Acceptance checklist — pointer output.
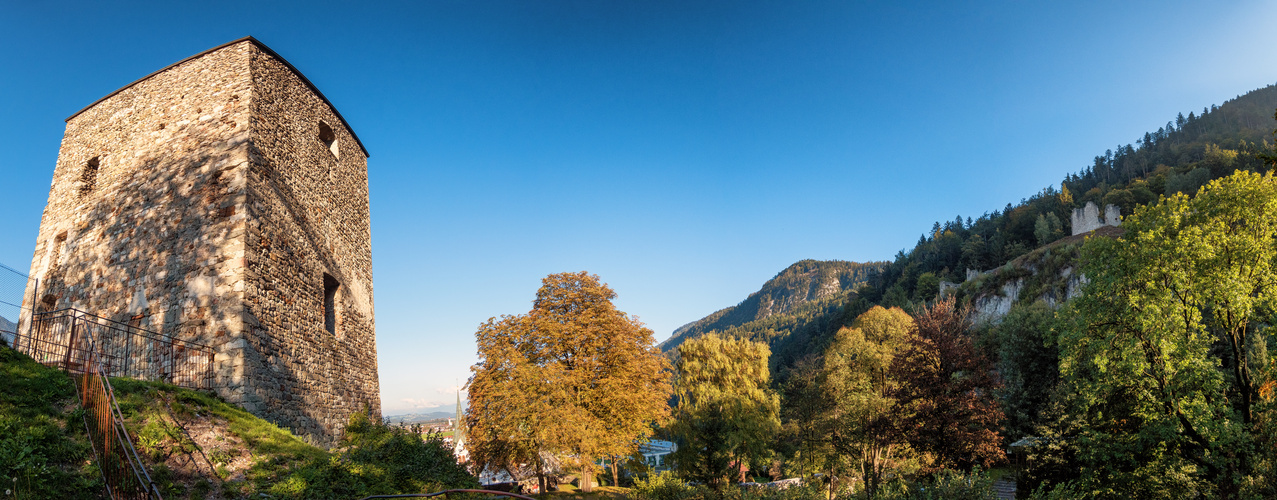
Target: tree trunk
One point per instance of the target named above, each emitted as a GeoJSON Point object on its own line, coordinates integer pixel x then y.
{"type": "Point", "coordinates": [587, 479]}
{"type": "Point", "coordinates": [615, 476]}
{"type": "Point", "coordinates": [541, 482]}
{"type": "Point", "coordinates": [802, 462]}
{"type": "Point", "coordinates": [831, 483]}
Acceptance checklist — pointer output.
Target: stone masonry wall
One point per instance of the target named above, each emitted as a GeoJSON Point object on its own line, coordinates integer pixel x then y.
{"type": "Point", "coordinates": [154, 234]}
{"type": "Point", "coordinates": [213, 214]}
{"type": "Point", "coordinates": [1087, 218]}
{"type": "Point", "coordinates": [308, 217]}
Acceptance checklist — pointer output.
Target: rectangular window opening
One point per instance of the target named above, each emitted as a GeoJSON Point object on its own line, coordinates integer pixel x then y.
{"type": "Point", "coordinates": [330, 303]}
{"type": "Point", "coordinates": [89, 177]}
{"type": "Point", "coordinates": [55, 259]}
{"type": "Point", "coordinates": [328, 137]}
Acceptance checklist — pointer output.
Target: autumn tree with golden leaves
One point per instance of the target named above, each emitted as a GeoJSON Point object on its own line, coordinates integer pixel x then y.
{"type": "Point", "coordinates": [574, 378]}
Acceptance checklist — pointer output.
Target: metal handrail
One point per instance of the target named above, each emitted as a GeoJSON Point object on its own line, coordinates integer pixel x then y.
{"type": "Point", "coordinates": [121, 325]}
{"type": "Point", "coordinates": [126, 442]}
{"type": "Point", "coordinates": [445, 492]}
{"type": "Point", "coordinates": [121, 435]}
{"type": "Point", "coordinates": [110, 426]}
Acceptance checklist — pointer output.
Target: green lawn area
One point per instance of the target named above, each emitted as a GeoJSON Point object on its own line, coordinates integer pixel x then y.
{"type": "Point", "coordinates": [997, 473]}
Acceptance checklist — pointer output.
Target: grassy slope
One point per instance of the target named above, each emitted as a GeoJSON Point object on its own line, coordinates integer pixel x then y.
{"type": "Point", "coordinates": [198, 446]}
{"type": "Point", "coordinates": [43, 443]}
{"type": "Point", "coordinates": [44, 451]}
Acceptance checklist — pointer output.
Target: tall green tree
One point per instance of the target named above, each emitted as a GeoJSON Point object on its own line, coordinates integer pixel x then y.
{"type": "Point", "coordinates": [804, 404]}
{"type": "Point", "coordinates": [574, 376]}
{"type": "Point", "coordinates": [727, 414]}
{"type": "Point", "coordinates": [1169, 346]}
{"type": "Point", "coordinates": [1029, 366]}
{"type": "Point", "coordinates": [863, 421]}
{"type": "Point", "coordinates": [1042, 230]}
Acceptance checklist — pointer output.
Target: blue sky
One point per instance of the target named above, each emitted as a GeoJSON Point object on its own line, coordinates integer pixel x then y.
{"type": "Point", "coordinates": [685, 152]}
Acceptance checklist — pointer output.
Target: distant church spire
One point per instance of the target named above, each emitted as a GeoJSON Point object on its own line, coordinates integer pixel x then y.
{"type": "Point", "coordinates": [458, 428]}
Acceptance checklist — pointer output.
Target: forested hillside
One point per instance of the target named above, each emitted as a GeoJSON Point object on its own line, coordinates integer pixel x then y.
{"type": "Point", "coordinates": [1181, 156]}
{"type": "Point", "coordinates": [1126, 362]}
{"type": "Point", "coordinates": [1150, 378]}
{"type": "Point", "coordinates": [796, 303]}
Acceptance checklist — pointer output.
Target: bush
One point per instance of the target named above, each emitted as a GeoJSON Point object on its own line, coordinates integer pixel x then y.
{"type": "Point", "coordinates": [667, 486]}
{"type": "Point", "coordinates": [811, 491]}
{"type": "Point", "coordinates": [944, 485]}
{"type": "Point", "coordinates": [378, 459]}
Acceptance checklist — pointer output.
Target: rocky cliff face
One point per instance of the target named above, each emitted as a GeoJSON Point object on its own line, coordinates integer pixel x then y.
{"type": "Point", "coordinates": [803, 282]}
{"type": "Point", "coordinates": [1048, 274]}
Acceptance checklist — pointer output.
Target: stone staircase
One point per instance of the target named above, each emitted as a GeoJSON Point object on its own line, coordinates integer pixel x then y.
{"type": "Point", "coordinates": [1004, 489]}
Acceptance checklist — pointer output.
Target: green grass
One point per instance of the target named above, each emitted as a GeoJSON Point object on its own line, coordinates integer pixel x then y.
{"type": "Point", "coordinates": [155, 414]}
{"type": "Point", "coordinates": [997, 473]}
{"type": "Point", "coordinates": [372, 458]}
{"type": "Point", "coordinates": [198, 446]}
{"type": "Point", "coordinates": [44, 450]}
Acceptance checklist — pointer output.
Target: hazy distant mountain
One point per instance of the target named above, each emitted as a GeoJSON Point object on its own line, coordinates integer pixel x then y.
{"type": "Point", "coordinates": [7, 331]}
{"type": "Point", "coordinates": [783, 302]}
{"type": "Point", "coordinates": [416, 418]}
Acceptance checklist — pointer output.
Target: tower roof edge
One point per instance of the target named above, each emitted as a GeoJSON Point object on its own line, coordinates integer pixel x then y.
{"type": "Point", "coordinates": [264, 48]}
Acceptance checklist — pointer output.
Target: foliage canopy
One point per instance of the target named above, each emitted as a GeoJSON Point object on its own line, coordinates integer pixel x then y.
{"type": "Point", "coordinates": [1167, 355]}
{"type": "Point", "coordinates": [727, 415]}
{"type": "Point", "coordinates": [573, 377]}
{"type": "Point", "coordinates": [863, 421]}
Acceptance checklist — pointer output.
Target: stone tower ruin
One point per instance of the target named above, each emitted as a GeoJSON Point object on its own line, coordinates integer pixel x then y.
{"type": "Point", "coordinates": [224, 200]}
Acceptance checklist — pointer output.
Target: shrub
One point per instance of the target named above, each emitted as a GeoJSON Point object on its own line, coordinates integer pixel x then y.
{"type": "Point", "coordinates": [811, 491]}
{"type": "Point", "coordinates": [667, 486]}
{"type": "Point", "coordinates": [378, 459]}
{"type": "Point", "coordinates": [947, 484]}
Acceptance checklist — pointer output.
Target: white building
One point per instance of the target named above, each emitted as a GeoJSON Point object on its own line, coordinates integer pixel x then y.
{"type": "Point", "coordinates": [655, 452]}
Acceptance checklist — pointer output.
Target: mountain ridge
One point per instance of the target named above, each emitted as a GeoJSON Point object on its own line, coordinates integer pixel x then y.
{"type": "Point", "coordinates": [1179, 157]}
{"type": "Point", "coordinates": [806, 282]}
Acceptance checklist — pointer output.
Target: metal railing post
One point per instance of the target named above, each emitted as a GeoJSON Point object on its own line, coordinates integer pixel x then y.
{"type": "Point", "coordinates": [128, 354]}
{"type": "Point", "coordinates": [172, 363]}
{"type": "Point", "coordinates": [66, 360]}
